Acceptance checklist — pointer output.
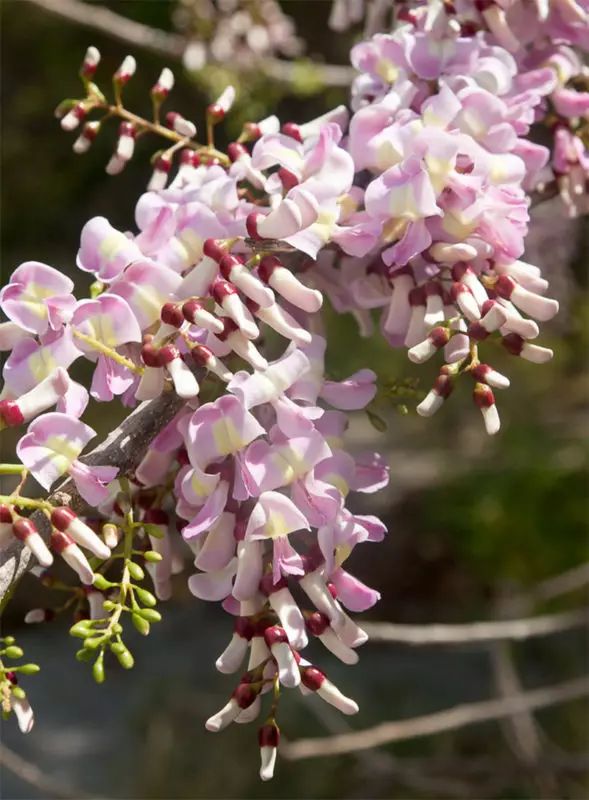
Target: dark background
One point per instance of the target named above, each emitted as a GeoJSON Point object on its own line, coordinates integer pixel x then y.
{"type": "Point", "coordinates": [471, 519]}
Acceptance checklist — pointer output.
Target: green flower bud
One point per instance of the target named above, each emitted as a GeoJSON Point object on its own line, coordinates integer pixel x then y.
{"type": "Point", "coordinates": [84, 655]}
{"type": "Point", "coordinates": [109, 605]}
{"type": "Point", "coordinates": [29, 669]}
{"type": "Point", "coordinates": [150, 614]}
{"type": "Point", "coordinates": [101, 583]}
{"type": "Point", "coordinates": [117, 648]}
{"type": "Point", "coordinates": [152, 556]}
{"type": "Point", "coordinates": [81, 629]}
{"type": "Point", "coordinates": [126, 660]}
{"type": "Point", "coordinates": [8, 640]}
{"type": "Point", "coordinates": [135, 571]}
{"type": "Point", "coordinates": [145, 597]}
{"type": "Point", "coordinates": [94, 642]}
{"type": "Point", "coordinates": [117, 628]}
{"type": "Point", "coordinates": [98, 669]}
{"type": "Point", "coordinates": [18, 692]}
{"type": "Point", "coordinates": [141, 624]}
{"type": "Point", "coordinates": [13, 652]}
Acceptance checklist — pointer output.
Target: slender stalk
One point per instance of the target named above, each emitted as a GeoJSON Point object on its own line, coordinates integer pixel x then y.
{"type": "Point", "coordinates": [108, 351]}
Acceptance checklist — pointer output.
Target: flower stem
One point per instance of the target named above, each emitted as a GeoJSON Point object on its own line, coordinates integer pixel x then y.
{"type": "Point", "coordinates": [24, 502]}
{"type": "Point", "coordinates": [12, 469]}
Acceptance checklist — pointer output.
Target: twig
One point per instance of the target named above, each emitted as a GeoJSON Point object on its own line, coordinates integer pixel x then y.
{"type": "Point", "coordinates": [470, 633]}
{"type": "Point", "coordinates": [173, 45]}
{"type": "Point", "coordinates": [570, 581]}
{"type": "Point", "coordinates": [430, 724]}
{"type": "Point", "coordinates": [31, 774]}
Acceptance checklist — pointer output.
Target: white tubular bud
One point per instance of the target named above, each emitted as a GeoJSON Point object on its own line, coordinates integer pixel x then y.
{"type": "Point", "coordinates": [226, 99]}
{"type": "Point", "coordinates": [316, 590]}
{"type": "Point", "coordinates": [159, 176]}
{"type": "Point", "coordinates": [63, 519]}
{"type": "Point", "coordinates": [417, 330]}
{"type": "Point", "coordinates": [468, 276]}
{"type": "Point", "coordinates": [92, 58]}
{"type": "Point", "coordinates": [542, 308]}
{"type": "Point", "coordinates": [182, 126]}
{"type": "Point", "coordinates": [126, 141]}
{"type": "Point", "coordinates": [451, 253]}
{"type": "Point", "coordinates": [339, 114]}
{"type": "Point", "coordinates": [437, 339]}
{"type": "Point", "coordinates": [515, 323]}
{"type": "Point", "coordinates": [23, 713]}
{"type": "Point", "coordinates": [185, 383]}
{"type": "Point", "coordinates": [73, 118]}
{"type": "Point", "coordinates": [399, 312]}
{"type": "Point", "coordinates": [485, 374]}
{"type": "Point", "coordinates": [224, 717]}
{"type": "Point", "coordinates": [268, 739]}
{"type": "Point", "coordinates": [273, 272]}
{"type": "Point", "coordinates": [198, 280]}
{"type": "Point", "coordinates": [205, 357]}
{"type": "Point", "coordinates": [335, 645]}
{"type": "Point", "coordinates": [115, 165]}
{"type": "Point", "coordinates": [434, 400]}
{"type": "Point", "coordinates": [43, 396]}
{"type": "Point", "coordinates": [65, 546]}
{"type": "Point", "coordinates": [434, 304]}
{"type": "Point", "coordinates": [282, 322]}
{"type": "Point", "coordinates": [233, 269]}
{"type": "Point", "coordinates": [232, 657]}
{"type": "Point", "coordinates": [465, 301]}
{"type": "Point", "coordinates": [26, 532]}
{"type": "Point", "coordinates": [288, 669]}
{"type": "Point", "coordinates": [248, 351]}
{"type": "Point", "coordinates": [36, 615]}
{"type": "Point", "coordinates": [316, 681]}
{"type": "Point", "coordinates": [111, 534]}
{"type": "Point", "coordinates": [95, 600]}
{"type": "Point", "coordinates": [250, 713]}
{"type": "Point", "coordinates": [524, 274]}
{"type": "Point", "coordinates": [259, 652]}
{"type": "Point", "coordinates": [126, 70]}
{"type": "Point", "coordinates": [86, 137]}
{"type": "Point", "coordinates": [225, 294]}
{"type": "Point", "coordinates": [351, 634]}
{"type": "Point", "coordinates": [290, 616]}
{"type": "Point", "coordinates": [494, 317]}
{"type": "Point", "coordinates": [196, 314]}
{"type": "Point", "coordinates": [494, 16]}
{"type": "Point", "coordinates": [484, 399]}
{"type": "Point", "coordinates": [518, 346]}
{"type": "Point", "coordinates": [165, 82]}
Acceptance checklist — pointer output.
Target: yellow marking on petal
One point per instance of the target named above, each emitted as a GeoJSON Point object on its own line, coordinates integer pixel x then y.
{"type": "Point", "coordinates": [393, 229]}
{"type": "Point", "coordinates": [34, 290]}
{"type": "Point", "coordinates": [335, 442]}
{"type": "Point", "coordinates": [342, 552]}
{"type": "Point", "coordinates": [386, 70]}
{"type": "Point", "coordinates": [35, 307]}
{"type": "Point", "coordinates": [457, 226]}
{"type": "Point", "coordinates": [227, 437]}
{"type": "Point", "coordinates": [200, 488]}
{"type": "Point", "coordinates": [41, 364]}
{"type": "Point", "coordinates": [64, 448]}
{"type": "Point", "coordinates": [193, 243]}
{"type": "Point", "coordinates": [347, 204]}
{"type": "Point", "coordinates": [112, 245]}
{"type": "Point", "coordinates": [339, 483]}
{"type": "Point", "coordinates": [276, 527]}
{"type": "Point", "coordinates": [438, 170]}
{"type": "Point", "coordinates": [323, 226]}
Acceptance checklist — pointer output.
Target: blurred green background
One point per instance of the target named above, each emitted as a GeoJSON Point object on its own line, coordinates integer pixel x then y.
{"type": "Point", "coordinates": [471, 520]}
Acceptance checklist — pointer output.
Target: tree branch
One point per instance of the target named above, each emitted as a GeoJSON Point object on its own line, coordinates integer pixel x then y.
{"type": "Point", "coordinates": [450, 719]}
{"type": "Point", "coordinates": [31, 774]}
{"type": "Point", "coordinates": [173, 45]}
{"type": "Point", "coordinates": [469, 633]}
{"type": "Point", "coordinates": [123, 448]}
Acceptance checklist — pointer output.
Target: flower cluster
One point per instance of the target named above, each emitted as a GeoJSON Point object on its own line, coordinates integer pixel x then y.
{"type": "Point", "coordinates": [415, 204]}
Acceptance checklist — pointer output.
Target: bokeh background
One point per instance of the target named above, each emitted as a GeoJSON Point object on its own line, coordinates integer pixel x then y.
{"type": "Point", "coordinates": [472, 521]}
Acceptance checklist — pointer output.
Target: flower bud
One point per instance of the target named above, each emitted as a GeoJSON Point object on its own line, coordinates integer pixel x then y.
{"type": "Point", "coordinates": [315, 680]}
{"type": "Point", "coordinates": [63, 519]}
{"type": "Point", "coordinates": [26, 532]}
{"type": "Point", "coordinates": [442, 389]}
{"type": "Point", "coordinates": [184, 381]}
{"type": "Point", "coordinates": [65, 546]}
{"type": "Point", "coordinates": [226, 295]}
{"type": "Point", "coordinates": [182, 126]}
{"type": "Point", "coordinates": [273, 272]}
{"type": "Point", "coordinates": [437, 339]}
{"type": "Point", "coordinates": [125, 71]}
{"type": "Point", "coordinates": [75, 115]}
{"type": "Point", "coordinates": [90, 63]}
{"type": "Point", "coordinates": [86, 137]}
{"type": "Point", "coordinates": [268, 739]}
{"type": "Point", "coordinates": [288, 669]}
{"type": "Point", "coordinates": [517, 346]}
{"type": "Point", "coordinates": [159, 177]}
{"type": "Point", "coordinates": [216, 111]}
{"type": "Point", "coordinates": [485, 400]}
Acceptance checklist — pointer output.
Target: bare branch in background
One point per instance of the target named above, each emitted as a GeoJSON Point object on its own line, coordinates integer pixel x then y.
{"type": "Point", "coordinates": [430, 724]}
{"type": "Point", "coordinates": [469, 633]}
{"type": "Point", "coordinates": [136, 34]}
{"type": "Point", "coordinates": [31, 774]}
